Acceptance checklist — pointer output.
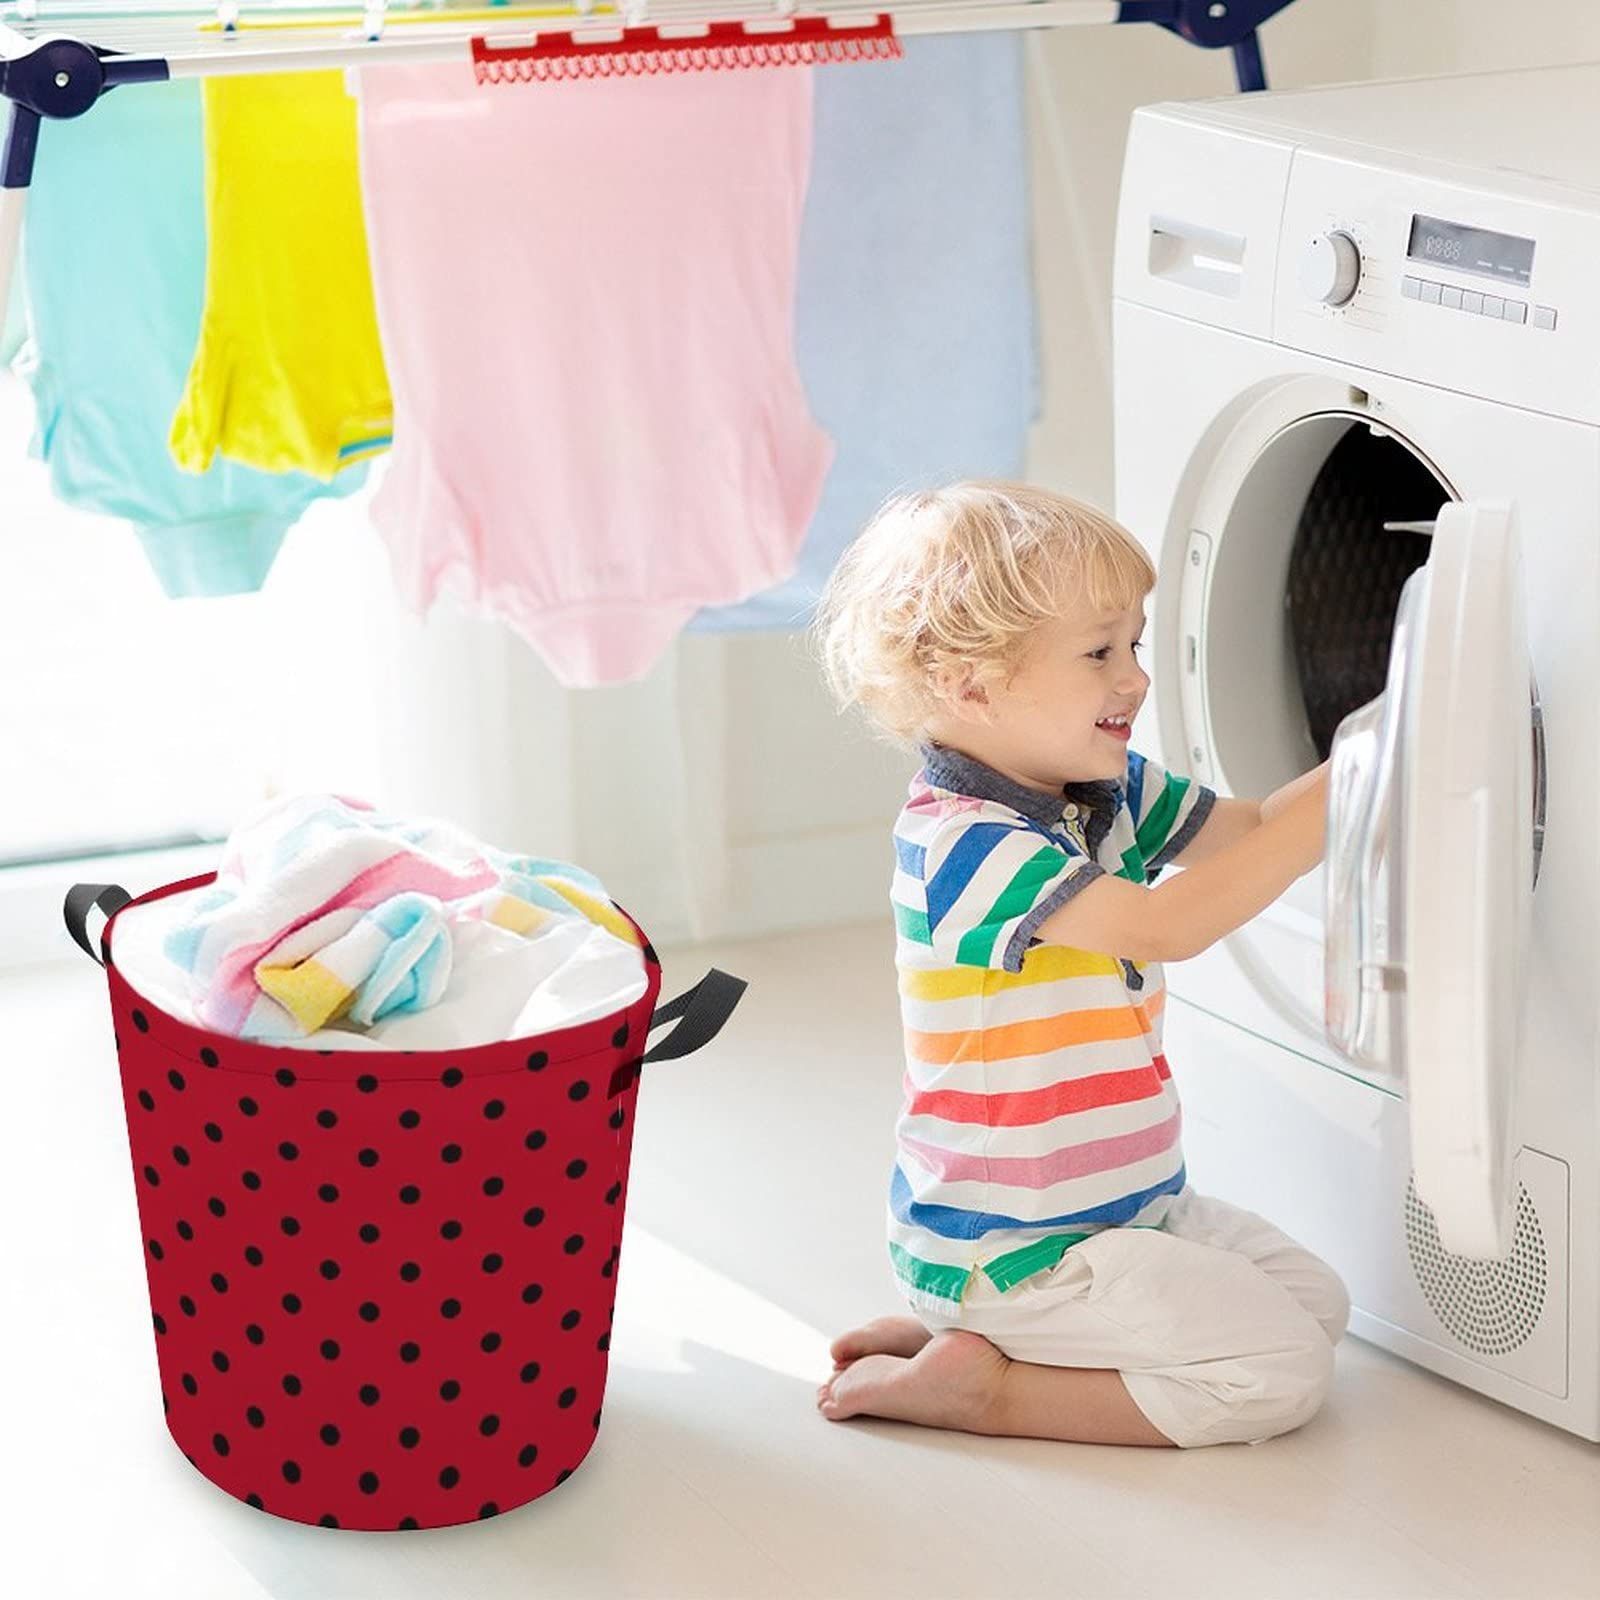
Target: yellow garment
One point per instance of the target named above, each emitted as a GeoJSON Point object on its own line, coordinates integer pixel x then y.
{"type": "Point", "coordinates": [288, 374]}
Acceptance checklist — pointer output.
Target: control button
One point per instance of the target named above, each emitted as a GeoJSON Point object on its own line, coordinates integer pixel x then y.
{"type": "Point", "coordinates": [1471, 300]}
{"type": "Point", "coordinates": [1516, 311]}
{"type": "Point", "coordinates": [1450, 296]}
{"type": "Point", "coordinates": [1430, 293]}
{"type": "Point", "coordinates": [1544, 316]}
{"type": "Point", "coordinates": [1411, 288]}
{"type": "Point", "coordinates": [1493, 306]}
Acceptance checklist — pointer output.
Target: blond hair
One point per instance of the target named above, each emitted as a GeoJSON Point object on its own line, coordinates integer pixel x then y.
{"type": "Point", "coordinates": [944, 587]}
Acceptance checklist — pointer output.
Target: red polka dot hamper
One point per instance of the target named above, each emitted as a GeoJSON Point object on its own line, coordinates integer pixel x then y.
{"type": "Point", "coordinates": [382, 1281]}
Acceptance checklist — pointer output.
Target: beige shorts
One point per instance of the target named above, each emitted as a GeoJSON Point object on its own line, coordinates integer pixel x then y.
{"type": "Point", "coordinates": [1222, 1326]}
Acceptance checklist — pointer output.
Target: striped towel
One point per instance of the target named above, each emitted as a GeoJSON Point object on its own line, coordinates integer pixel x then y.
{"type": "Point", "coordinates": [326, 910]}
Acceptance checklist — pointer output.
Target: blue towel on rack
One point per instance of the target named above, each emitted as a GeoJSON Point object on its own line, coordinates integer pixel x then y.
{"type": "Point", "coordinates": [113, 263]}
{"type": "Point", "coordinates": [914, 318]}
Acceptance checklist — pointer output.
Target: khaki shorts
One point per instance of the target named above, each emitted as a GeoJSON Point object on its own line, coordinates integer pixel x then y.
{"type": "Point", "coordinates": [1222, 1326]}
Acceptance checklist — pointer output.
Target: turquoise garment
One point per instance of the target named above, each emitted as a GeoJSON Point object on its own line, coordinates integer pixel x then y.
{"type": "Point", "coordinates": [114, 270]}
{"type": "Point", "coordinates": [914, 305]}
{"type": "Point", "coordinates": [13, 325]}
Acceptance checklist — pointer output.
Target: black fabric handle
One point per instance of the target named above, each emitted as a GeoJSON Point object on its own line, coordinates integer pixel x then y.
{"type": "Point", "coordinates": [703, 1008]}
{"type": "Point", "coordinates": [81, 899]}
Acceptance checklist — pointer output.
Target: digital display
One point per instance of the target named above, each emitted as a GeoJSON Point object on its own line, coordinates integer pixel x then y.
{"type": "Point", "coordinates": [1501, 256]}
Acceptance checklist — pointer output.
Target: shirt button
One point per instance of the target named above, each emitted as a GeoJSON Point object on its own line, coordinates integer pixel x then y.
{"type": "Point", "coordinates": [1071, 813]}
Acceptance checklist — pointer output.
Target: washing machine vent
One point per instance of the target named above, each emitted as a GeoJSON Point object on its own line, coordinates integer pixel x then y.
{"type": "Point", "coordinates": [1492, 1307]}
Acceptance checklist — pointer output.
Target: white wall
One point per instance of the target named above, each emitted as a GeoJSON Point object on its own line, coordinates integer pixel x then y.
{"type": "Point", "coordinates": [724, 795]}
{"type": "Point", "coordinates": [1412, 38]}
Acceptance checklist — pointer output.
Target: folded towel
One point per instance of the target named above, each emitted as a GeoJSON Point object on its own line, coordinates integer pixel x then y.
{"type": "Point", "coordinates": [502, 985]}
{"type": "Point", "coordinates": [325, 909]}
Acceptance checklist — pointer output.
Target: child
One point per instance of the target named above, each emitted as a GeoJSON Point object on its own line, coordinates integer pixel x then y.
{"type": "Point", "coordinates": [1068, 1282]}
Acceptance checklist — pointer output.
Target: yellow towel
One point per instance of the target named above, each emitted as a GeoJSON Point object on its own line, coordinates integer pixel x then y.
{"type": "Point", "coordinates": [288, 374]}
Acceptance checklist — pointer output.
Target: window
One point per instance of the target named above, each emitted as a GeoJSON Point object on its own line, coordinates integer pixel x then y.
{"type": "Point", "coordinates": [128, 719]}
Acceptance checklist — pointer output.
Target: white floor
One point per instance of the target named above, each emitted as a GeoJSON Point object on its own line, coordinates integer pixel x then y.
{"type": "Point", "coordinates": [754, 1234]}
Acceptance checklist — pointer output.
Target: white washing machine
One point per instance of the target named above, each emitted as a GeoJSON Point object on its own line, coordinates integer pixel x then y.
{"type": "Point", "coordinates": [1357, 373]}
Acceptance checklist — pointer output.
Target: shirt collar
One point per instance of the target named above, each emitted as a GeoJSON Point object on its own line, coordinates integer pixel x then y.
{"type": "Point", "coordinates": [961, 774]}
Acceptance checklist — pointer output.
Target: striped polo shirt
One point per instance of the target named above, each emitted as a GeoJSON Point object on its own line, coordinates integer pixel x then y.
{"type": "Point", "coordinates": [1038, 1105]}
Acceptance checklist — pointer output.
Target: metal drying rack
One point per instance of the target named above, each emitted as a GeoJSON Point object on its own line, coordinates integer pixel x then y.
{"type": "Point", "coordinates": [56, 60]}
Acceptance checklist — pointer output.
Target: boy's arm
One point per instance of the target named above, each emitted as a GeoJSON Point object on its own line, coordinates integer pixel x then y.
{"type": "Point", "coordinates": [1232, 819]}
{"type": "Point", "coordinates": [1179, 919]}
{"type": "Point", "coordinates": [1227, 820]}
{"type": "Point", "coordinates": [1281, 797]}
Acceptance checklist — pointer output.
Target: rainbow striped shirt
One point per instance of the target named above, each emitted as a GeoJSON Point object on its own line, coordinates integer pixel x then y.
{"type": "Point", "coordinates": [1038, 1105]}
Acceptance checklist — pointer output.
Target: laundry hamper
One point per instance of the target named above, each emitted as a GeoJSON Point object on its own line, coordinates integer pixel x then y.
{"type": "Point", "coordinates": [382, 1281]}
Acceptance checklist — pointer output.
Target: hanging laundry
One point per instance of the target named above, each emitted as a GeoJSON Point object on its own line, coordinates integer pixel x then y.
{"type": "Point", "coordinates": [112, 322]}
{"type": "Point", "coordinates": [586, 295]}
{"type": "Point", "coordinates": [915, 317]}
{"type": "Point", "coordinates": [288, 374]}
{"type": "Point", "coordinates": [13, 326]}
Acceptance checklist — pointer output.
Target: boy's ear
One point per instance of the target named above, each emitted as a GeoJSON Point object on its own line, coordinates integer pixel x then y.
{"type": "Point", "coordinates": [961, 694]}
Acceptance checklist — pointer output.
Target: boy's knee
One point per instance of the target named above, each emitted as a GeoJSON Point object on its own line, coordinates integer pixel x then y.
{"type": "Point", "coordinates": [1315, 1373]}
{"type": "Point", "coordinates": [1333, 1308]}
{"type": "Point", "coordinates": [1292, 1388]}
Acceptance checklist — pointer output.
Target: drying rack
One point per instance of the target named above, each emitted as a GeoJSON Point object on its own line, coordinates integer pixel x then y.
{"type": "Point", "coordinates": [57, 57]}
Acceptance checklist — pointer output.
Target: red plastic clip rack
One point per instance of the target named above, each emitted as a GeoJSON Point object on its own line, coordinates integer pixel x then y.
{"type": "Point", "coordinates": [807, 42]}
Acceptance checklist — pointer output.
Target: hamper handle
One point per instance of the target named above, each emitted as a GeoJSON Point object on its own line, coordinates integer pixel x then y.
{"type": "Point", "coordinates": [703, 1008]}
{"type": "Point", "coordinates": [81, 897]}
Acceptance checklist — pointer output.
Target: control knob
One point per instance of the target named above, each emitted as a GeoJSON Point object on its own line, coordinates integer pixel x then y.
{"type": "Point", "coordinates": [1330, 268]}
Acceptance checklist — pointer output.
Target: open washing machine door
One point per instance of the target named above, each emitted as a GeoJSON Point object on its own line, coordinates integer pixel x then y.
{"type": "Point", "coordinates": [1431, 862]}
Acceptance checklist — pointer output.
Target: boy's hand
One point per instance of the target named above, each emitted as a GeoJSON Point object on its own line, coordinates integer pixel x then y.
{"type": "Point", "coordinates": [1279, 798]}
{"type": "Point", "coordinates": [1309, 810]}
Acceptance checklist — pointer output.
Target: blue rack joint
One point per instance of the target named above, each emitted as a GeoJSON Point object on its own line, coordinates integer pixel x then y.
{"type": "Point", "coordinates": [1214, 25]}
{"type": "Point", "coordinates": [59, 78]}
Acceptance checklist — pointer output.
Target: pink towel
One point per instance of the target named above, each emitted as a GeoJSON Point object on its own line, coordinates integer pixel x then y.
{"type": "Point", "coordinates": [586, 296]}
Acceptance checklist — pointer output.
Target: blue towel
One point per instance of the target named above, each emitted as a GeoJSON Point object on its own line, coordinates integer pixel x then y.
{"type": "Point", "coordinates": [113, 259]}
{"type": "Point", "coordinates": [914, 319]}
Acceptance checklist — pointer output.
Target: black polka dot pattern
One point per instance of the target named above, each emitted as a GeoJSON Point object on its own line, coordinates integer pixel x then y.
{"type": "Point", "coordinates": [380, 1299]}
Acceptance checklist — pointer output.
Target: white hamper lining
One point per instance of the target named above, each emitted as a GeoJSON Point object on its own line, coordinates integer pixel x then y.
{"type": "Point", "coordinates": [503, 985]}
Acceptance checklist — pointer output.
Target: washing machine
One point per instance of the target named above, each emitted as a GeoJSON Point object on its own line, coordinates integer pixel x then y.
{"type": "Point", "coordinates": [1357, 392]}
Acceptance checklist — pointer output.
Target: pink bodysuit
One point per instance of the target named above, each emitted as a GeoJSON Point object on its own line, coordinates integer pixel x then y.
{"type": "Point", "coordinates": [586, 297]}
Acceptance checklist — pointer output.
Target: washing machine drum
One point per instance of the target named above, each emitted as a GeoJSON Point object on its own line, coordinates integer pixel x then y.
{"type": "Point", "coordinates": [1357, 541]}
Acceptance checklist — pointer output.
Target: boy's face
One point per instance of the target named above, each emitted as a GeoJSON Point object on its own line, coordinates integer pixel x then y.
{"type": "Point", "coordinates": [1066, 713]}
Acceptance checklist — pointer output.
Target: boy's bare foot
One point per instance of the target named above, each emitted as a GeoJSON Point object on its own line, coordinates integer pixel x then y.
{"type": "Point", "coordinates": [885, 1336]}
{"type": "Point", "coordinates": [959, 1380]}
{"type": "Point", "coordinates": [953, 1381]}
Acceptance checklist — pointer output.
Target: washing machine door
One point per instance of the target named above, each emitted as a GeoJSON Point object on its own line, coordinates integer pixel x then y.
{"type": "Point", "coordinates": [1430, 871]}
